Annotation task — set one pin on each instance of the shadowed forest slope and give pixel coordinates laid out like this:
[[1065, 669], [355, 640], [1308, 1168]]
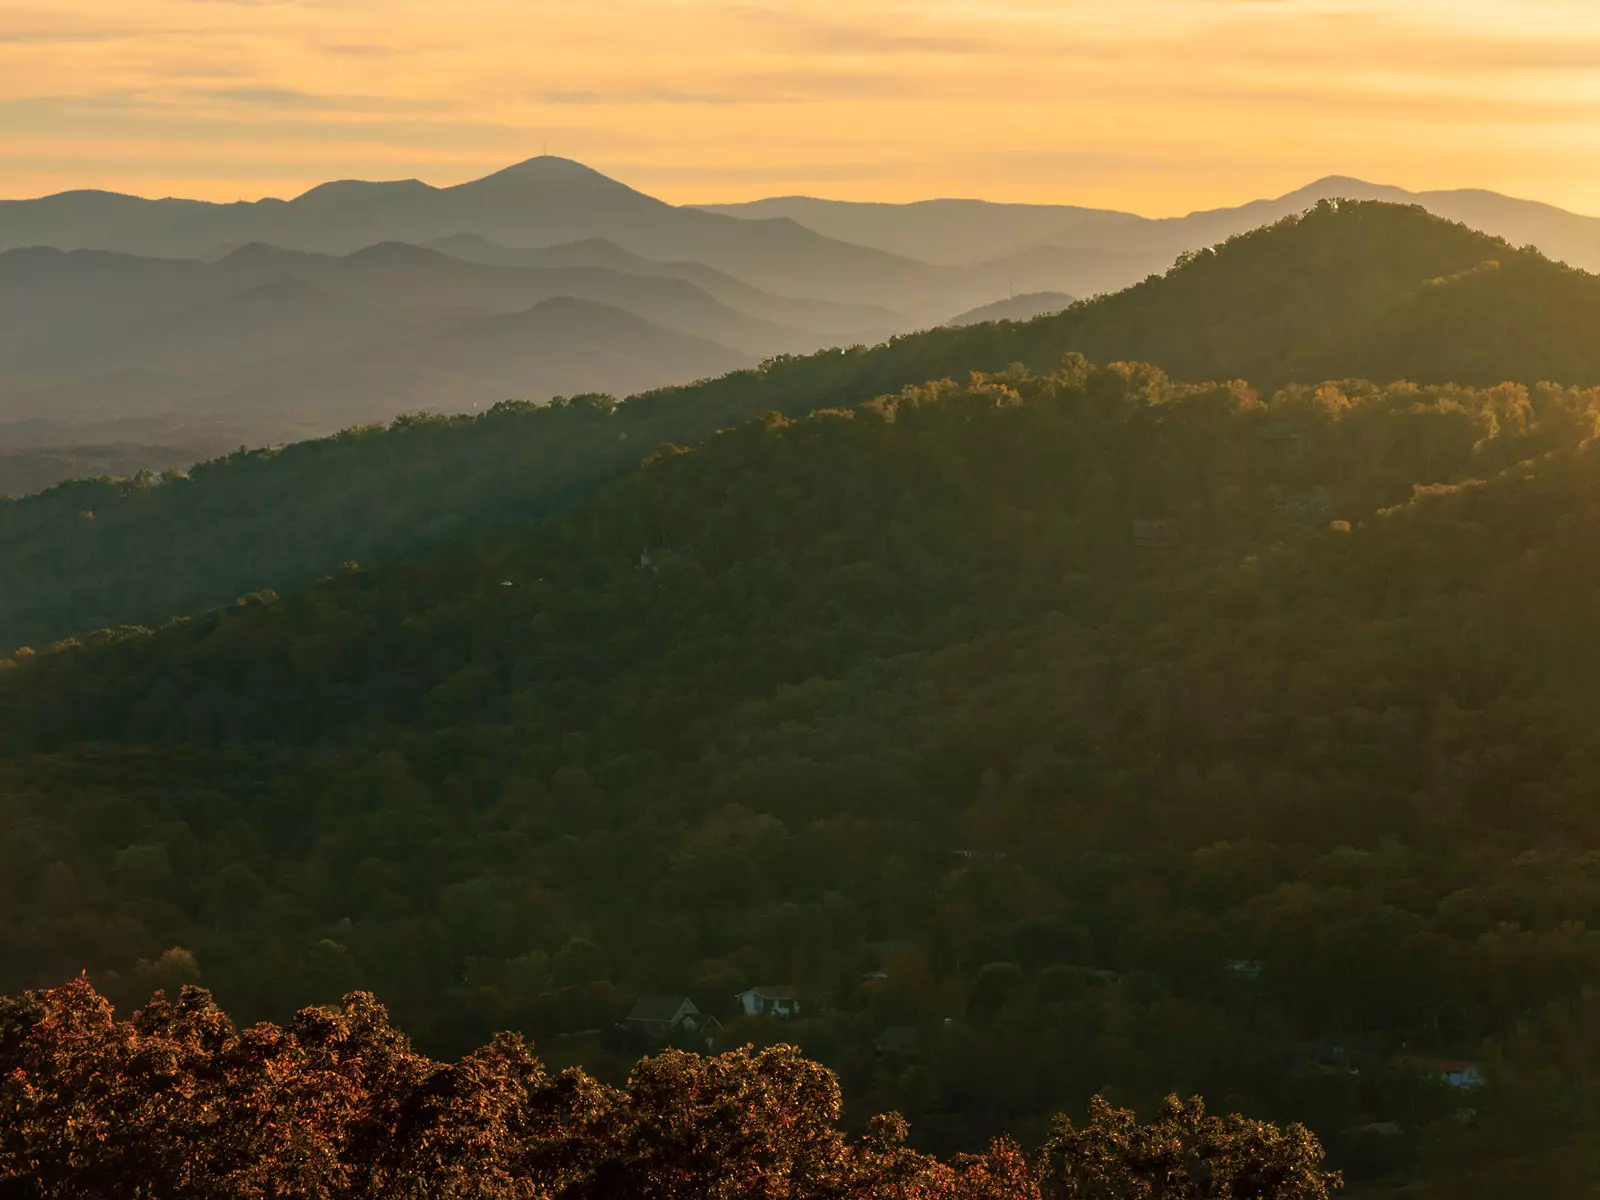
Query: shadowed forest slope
[[1094, 730]]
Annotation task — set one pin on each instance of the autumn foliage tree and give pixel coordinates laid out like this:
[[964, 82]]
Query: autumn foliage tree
[[175, 1102]]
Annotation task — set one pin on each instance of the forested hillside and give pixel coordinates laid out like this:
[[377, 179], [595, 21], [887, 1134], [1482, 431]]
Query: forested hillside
[[1045, 734], [1355, 290]]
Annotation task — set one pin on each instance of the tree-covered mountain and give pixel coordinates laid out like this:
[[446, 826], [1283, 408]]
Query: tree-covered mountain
[[1086, 730], [1368, 290]]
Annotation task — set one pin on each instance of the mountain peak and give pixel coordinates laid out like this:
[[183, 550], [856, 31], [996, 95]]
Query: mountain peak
[[342, 190], [547, 164], [556, 178], [1348, 187], [548, 169], [1334, 181]]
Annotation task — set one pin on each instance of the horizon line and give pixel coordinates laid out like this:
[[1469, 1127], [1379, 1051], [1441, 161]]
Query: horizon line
[[1332, 176]]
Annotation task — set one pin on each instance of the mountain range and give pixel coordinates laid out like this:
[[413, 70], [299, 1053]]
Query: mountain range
[[542, 202], [265, 345], [171, 330], [968, 232], [1362, 289]]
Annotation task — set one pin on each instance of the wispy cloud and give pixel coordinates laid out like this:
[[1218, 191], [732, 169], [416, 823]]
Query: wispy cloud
[[798, 31], [1155, 105]]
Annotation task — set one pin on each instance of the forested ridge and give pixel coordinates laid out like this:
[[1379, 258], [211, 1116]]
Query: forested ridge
[[1349, 290], [1086, 731]]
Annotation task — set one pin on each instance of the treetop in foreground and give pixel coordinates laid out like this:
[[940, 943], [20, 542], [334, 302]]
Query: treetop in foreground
[[176, 1102]]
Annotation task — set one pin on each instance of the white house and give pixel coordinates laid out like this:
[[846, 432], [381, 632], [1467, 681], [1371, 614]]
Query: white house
[[780, 1002]]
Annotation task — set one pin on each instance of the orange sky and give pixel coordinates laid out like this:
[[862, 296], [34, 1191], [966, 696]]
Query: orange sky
[[1156, 106]]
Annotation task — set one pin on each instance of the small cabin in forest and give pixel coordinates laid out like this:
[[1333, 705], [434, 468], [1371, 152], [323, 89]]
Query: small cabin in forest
[[780, 1002], [658, 1017]]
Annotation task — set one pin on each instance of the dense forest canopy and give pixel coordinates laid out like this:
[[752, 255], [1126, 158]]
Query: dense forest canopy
[[1349, 290], [1047, 734], [177, 1102]]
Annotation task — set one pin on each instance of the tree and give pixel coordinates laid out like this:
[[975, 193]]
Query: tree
[[175, 1102], [1185, 1155]]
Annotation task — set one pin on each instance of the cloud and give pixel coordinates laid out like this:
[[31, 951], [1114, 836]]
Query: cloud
[[645, 96], [61, 37], [797, 31], [357, 49], [272, 97], [1155, 105]]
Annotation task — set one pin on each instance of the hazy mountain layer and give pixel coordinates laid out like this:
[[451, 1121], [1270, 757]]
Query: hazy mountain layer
[[558, 347], [266, 345], [1357, 290], [542, 202], [859, 322], [50, 297], [968, 232], [952, 233], [1018, 308]]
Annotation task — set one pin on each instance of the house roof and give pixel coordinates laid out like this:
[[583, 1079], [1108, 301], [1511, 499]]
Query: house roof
[[662, 1009], [772, 993]]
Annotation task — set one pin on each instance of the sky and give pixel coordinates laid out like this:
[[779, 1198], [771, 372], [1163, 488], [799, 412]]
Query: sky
[[1152, 106]]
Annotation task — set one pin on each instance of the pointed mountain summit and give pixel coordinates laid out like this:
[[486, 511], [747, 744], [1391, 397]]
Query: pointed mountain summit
[[540, 202], [548, 173]]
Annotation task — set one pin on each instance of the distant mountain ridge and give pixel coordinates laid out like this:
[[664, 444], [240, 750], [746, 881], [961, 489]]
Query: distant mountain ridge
[[1016, 308], [266, 345], [545, 201], [926, 259], [818, 316], [966, 232]]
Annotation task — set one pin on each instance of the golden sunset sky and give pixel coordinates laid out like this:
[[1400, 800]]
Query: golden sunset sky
[[1155, 106]]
